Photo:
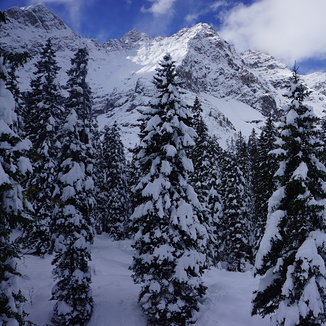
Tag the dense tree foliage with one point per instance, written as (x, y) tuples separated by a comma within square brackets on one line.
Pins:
[(169, 244), (234, 227), (204, 178), (14, 167), (72, 224), (43, 119), (263, 172), (291, 257), (114, 206)]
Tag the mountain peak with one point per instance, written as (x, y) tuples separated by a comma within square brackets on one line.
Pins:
[(134, 36), (35, 7), (200, 30), (36, 16), (203, 26), (129, 41)]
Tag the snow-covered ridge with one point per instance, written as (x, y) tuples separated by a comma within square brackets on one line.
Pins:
[(121, 71)]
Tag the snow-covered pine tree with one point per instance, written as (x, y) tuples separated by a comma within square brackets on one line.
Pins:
[(242, 155), (14, 166), (263, 178), (323, 130), (169, 258), (234, 228), (292, 253), (98, 176), (12, 85), (43, 119), (252, 150), (133, 173), (114, 197), (72, 220), (205, 176), (44, 99), (252, 154), (214, 200)]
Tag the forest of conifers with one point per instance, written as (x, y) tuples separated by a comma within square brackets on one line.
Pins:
[(187, 203)]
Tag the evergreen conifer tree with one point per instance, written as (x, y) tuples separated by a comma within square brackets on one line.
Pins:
[(98, 177), (291, 257), (169, 259), (114, 195), (12, 85), (263, 178), (251, 178), (253, 156), (205, 177), (214, 200), (234, 230), (242, 155), (323, 130), (14, 166), (72, 220), (42, 126)]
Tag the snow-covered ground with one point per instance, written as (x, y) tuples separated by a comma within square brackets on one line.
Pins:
[(227, 302)]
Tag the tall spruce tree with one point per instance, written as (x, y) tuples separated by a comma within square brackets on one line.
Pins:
[(253, 163), (291, 257), (205, 177), (263, 184), (14, 166), (323, 130), (242, 155), (72, 220), (98, 177), (12, 85), (234, 228), (44, 117), (169, 259), (214, 199), (114, 197)]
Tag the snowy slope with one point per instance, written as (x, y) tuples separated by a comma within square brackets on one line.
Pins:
[(232, 87), (227, 302)]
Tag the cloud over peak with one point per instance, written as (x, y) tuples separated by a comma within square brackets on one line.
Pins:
[(159, 7), (72, 6), (289, 29)]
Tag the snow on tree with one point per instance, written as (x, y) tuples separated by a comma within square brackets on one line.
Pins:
[(263, 177), (12, 85), (291, 256), (214, 199), (252, 176), (72, 219), (114, 197), (169, 258), (205, 176), (242, 155), (44, 117), (234, 228), (323, 129), (98, 176), (14, 166)]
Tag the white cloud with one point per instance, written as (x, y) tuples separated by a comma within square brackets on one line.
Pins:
[(217, 4), (192, 18), (203, 9), (72, 6), (160, 7), (288, 29)]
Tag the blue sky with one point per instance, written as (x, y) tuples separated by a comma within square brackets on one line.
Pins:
[(291, 30)]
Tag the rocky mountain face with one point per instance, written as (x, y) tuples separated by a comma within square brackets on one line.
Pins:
[(236, 90)]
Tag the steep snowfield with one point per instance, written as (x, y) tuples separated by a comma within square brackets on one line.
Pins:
[(227, 302)]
